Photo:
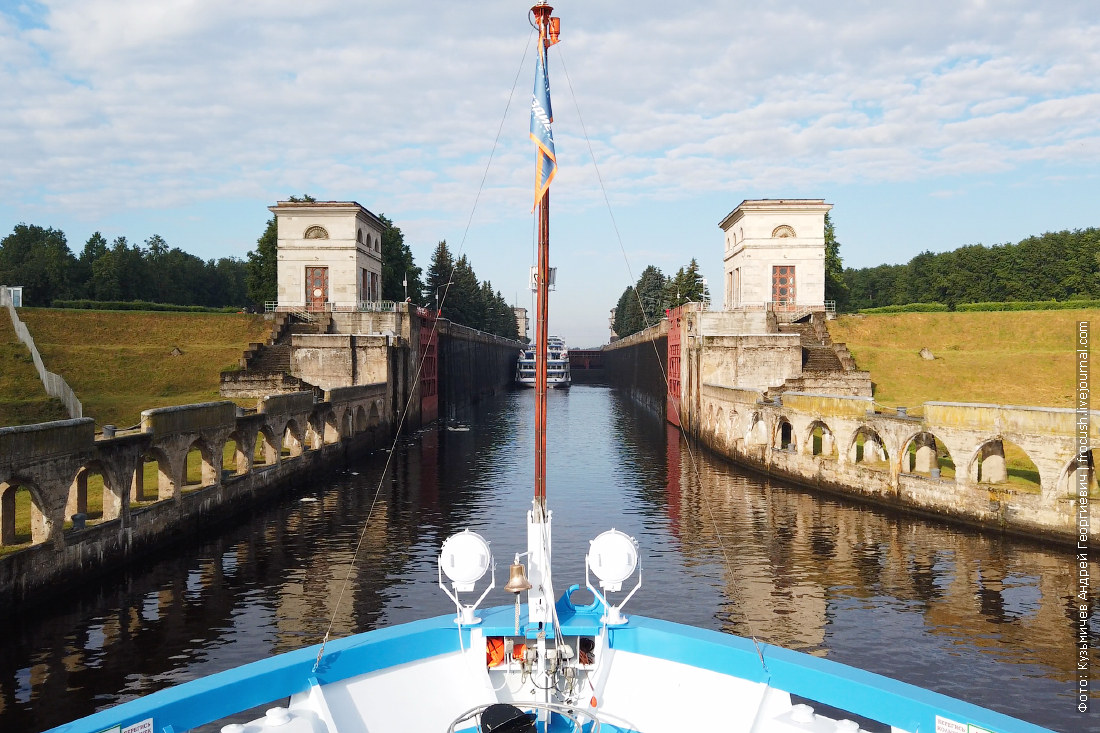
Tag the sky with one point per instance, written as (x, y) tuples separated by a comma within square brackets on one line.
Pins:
[(927, 125)]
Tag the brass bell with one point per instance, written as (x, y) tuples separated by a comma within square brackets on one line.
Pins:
[(517, 579)]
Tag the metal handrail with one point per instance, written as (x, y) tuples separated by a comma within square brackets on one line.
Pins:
[(360, 306)]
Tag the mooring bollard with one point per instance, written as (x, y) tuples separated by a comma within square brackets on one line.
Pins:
[(79, 520), (935, 473), (902, 411), (109, 431)]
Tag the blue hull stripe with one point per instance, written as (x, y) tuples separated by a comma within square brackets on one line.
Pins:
[(217, 696)]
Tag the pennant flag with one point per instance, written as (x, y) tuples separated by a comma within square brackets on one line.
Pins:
[(541, 117)]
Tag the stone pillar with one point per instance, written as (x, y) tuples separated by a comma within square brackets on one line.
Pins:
[(7, 514), (827, 443), (212, 468), (994, 470), (78, 496), (137, 486), (271, 454), (112, 501), (926, 453), (853, 453), (167, 486)]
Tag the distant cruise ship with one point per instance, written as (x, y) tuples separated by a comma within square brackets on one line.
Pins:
[(557, 365)]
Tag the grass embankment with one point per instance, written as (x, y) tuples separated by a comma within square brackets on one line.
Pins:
[(120, 363), (23, 399), (1005, 358)]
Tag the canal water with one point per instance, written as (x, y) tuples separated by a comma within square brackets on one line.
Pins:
[(976, 616)]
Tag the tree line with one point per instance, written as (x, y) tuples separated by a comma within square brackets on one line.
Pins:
[(644, 303), (1054, 266), (41, 261)]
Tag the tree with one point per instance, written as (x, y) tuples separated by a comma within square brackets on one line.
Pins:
[(439, 274), (836, 289), (464, 303), (628, 316), (397, 265), (651, 292), (38, 259), (262, 269), (687, 286)]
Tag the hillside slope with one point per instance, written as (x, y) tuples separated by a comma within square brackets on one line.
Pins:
[(23, 399), (119, 363), (1008, 358)]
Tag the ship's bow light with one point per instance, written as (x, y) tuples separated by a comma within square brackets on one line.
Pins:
[(612, 558), (465, 558)]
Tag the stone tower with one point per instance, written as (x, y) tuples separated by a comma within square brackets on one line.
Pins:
[(775, 254), (330, 254)]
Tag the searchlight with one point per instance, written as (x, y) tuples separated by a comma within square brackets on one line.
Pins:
[(612, 557), (465, 558)]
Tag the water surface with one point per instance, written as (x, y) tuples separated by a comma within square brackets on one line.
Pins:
[(977, 616)]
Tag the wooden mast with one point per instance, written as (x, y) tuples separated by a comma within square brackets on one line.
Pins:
[(542, 12)]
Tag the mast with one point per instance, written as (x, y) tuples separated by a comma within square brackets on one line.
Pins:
[(548, 35)]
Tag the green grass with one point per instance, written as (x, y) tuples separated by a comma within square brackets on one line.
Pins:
[(119, 364), (23, 399), (1007, 358)]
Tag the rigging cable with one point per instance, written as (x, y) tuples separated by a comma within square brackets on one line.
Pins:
[(645, 317), (420, 367)]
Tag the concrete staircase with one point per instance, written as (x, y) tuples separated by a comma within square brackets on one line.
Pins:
[(266, 368), (826, 367)]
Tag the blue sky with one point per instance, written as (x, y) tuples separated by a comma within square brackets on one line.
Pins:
[(928, 126)]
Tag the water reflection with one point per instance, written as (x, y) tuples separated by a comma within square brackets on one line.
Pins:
[(978, 617)]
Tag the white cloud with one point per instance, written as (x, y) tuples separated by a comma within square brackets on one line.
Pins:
[(129, 105)]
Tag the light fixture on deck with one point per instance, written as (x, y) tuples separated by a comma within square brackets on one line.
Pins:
[(612, 557), (464, 559)]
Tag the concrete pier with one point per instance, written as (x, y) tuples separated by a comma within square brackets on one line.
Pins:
[(356, 391), (750, 398)]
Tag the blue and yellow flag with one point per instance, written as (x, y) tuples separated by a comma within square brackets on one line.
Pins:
[(541, 117)]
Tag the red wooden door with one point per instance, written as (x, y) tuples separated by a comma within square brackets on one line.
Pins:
[(316, 288), (783, 284)]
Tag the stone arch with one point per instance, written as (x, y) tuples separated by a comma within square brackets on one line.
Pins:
[(820, 439), (783, 230), (757, 433), (199, 468), (347, 425), (361, 423), (731, 427), (40, 527), (316, 232), (867, 446), (331, 429), (785, 438), (93, 495), (292, 439), (1067, 477), (999, 461), (375, 417), (359, 235), (239, 460), (154, 464), (926, 455), (314, 431), (267, 447)]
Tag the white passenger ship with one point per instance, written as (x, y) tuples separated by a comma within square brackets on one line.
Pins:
[(548, 664), (557, 365)]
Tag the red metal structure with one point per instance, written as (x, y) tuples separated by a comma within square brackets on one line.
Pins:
[(675, 336), (429, 366)]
